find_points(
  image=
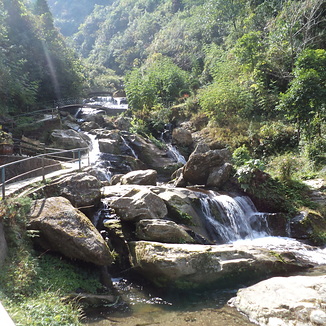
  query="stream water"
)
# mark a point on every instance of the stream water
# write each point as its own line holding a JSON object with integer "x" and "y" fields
{"x": 141, "y": 305}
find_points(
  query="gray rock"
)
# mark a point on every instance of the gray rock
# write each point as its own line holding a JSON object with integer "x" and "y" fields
{"x": 110, "y": 146}
{"x": 88, "y": 126}
{"x": 182, "y": 137}
{"x": 82, "y": 189}
{"x": 139, "y": 204}
{"x": 188, "y": 266}
{"x": 162, "y": 231}
{"x": 219, "y": 175}
{"x": 140, "y": 177}
{"x": 200, "y": 165}
{"x": 65, "y": 229}
{"x": 68, "y": 139}
{"x": 285, "y": 301}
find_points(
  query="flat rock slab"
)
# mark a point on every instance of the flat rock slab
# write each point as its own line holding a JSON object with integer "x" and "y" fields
{"x": 285, "y": 301}
{"x": 187, "y": 266}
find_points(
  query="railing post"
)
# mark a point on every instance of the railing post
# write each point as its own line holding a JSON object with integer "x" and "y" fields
{"x": 3, "y": 180}
{"x": 43, "y": 174}
{"x": 79, "y": 159}
{"x": 88, "y": 158}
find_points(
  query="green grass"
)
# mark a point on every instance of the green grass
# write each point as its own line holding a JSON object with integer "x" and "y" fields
{"x": 32, "y": 283}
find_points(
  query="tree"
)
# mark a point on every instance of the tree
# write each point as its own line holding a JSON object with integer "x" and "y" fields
{"x": 305, "y": 100}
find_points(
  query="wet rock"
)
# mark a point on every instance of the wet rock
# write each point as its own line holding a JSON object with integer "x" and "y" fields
{"x": 81, "y": 189}
{"x": 93, "y": 115}
{"x": 92, "y": 300}
{"x": 139, "y": 204}
{"x": 89, "y": 126}
{"x": 162, "y": 231}
{"x": 140, "y": 177}
{"x": 116, "y": 179}
{"x": 118, "y": 241}
{"x": 65, "y": 229}
{"x": 188, "y": 266}
{"x": 183, "y": 207}
{"x": 123, "y": 123}
{"x": 285, "y": 301}
{"x": 153, "y": 156}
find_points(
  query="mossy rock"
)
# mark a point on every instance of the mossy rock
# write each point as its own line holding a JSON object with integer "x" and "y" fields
{"x": 309, "y": 225}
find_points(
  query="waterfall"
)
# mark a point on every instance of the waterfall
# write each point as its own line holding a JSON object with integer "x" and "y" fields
{"x": 176, "y": 154}
{"x": 133, "y": 153}
{"x": 173, "y": 151}
{"x": 94, "y": 153}
{"x": 232, "y": 218}
{"x": 102, "y": 166}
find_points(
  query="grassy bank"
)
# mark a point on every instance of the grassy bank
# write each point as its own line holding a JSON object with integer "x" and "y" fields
{"x": 33, "y": 284}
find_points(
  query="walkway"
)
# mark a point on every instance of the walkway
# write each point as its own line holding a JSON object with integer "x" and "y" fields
{"x": 21, "y": 187}
{"x": 5, "y": 318}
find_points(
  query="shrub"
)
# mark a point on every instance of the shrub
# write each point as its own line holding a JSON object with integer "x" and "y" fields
{"x": 276, "y": 138}
{"x": 315, "y": 150}
{"x": 241, "y": 155}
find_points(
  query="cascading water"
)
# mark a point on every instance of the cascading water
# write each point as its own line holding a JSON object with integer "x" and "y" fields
{"x": 172, "y": 150}
{"x": 176, "y": 154}
{"x": 103, "y": 170}
{"x": 129, "y": 148}
{"x": 232, "y": 218}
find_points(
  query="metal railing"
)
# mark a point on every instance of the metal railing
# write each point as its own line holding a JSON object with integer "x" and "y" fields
{"x": 56, "y": 155}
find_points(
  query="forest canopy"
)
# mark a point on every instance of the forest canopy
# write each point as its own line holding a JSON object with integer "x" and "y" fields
{"x": 233, "y": 61}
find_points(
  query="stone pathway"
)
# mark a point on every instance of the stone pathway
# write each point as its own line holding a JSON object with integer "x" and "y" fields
{"x": 318, "y": 190}
{"x": 24, "y": 185}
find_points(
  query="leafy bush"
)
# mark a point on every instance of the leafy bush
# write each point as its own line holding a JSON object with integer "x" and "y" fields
{"x": 241, "y": 155}
{"x": 276, "y": 138}
{"x": 315, "y": 150}
{"x": 247, "y": 171}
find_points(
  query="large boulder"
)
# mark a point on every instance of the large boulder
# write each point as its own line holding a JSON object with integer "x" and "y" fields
{"x": 285, "y": 301}
{"x": 139, "y": 204}
{"x": 201, "y": 165}
{"x": 140, "y": 177}
{"x": 187, "y": 266}
{"x": 162, "y": 231}
{"x": 182, "y": 137}
{"x": 65, "y": 229}
{"x": 110, "y": 146}
{"x": 82, "y": 189}
{"x": 153, "y": 156}
{"x": 219, "y": 175}
{"x": 183, "y": 207}
{"x": 69, "y": 139}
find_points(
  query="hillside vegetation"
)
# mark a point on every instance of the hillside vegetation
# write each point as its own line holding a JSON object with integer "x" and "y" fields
{"x": 255, "y": 69}
{"x": 251, "y": 70}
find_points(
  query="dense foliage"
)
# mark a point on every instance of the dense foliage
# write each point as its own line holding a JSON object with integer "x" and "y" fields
{"x": 253, "y": 60}
{"x": 35, "y": 63}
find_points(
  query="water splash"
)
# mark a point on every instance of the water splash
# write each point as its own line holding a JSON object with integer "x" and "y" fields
{"x": 232, "y": 218}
